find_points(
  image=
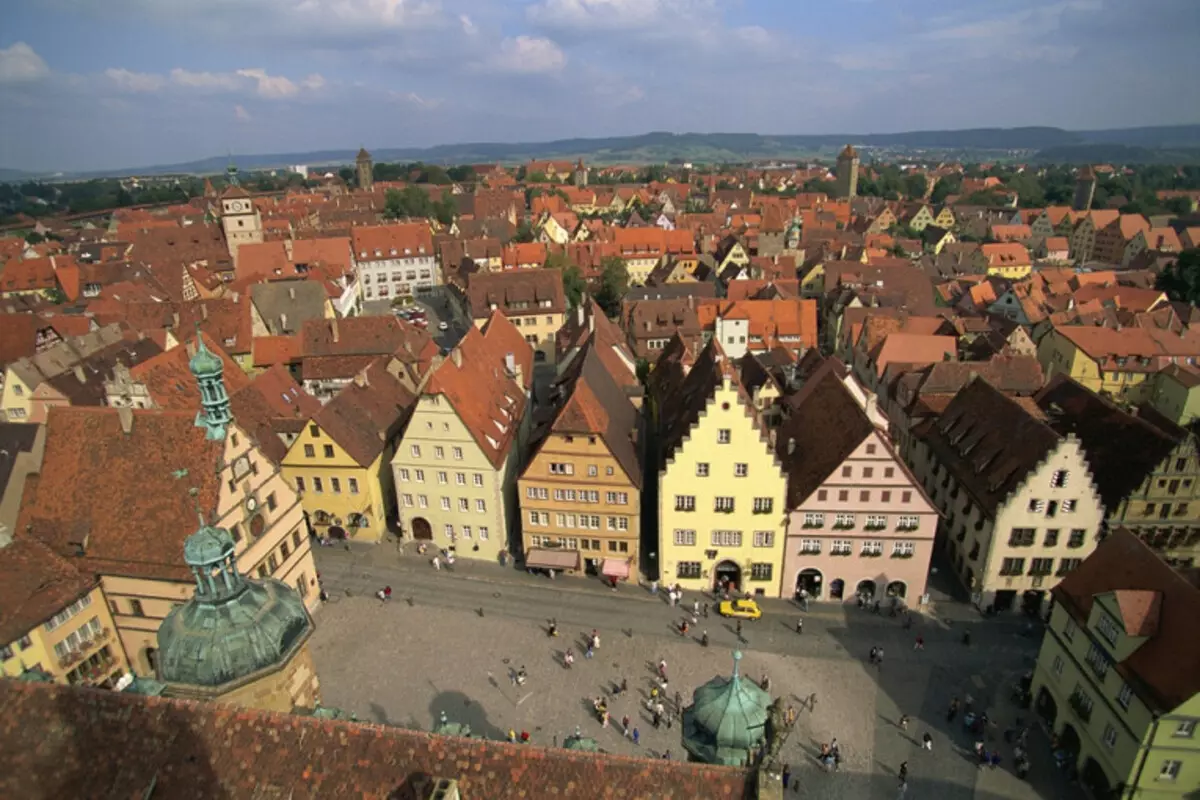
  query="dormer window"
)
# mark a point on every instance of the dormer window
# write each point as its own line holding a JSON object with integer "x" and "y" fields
{"x": 378, "y": 253}
{"x": 393, "y": 251}
{"x": 1107, "y": 628}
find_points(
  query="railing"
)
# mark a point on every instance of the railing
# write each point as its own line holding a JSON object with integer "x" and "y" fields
{"x": 1081, "y": 707}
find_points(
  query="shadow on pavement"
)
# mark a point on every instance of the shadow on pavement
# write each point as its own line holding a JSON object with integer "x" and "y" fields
{"x": 462, "y": 709}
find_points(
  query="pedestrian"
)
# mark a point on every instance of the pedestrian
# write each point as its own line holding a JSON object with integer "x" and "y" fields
{"x": 595, "y": 639}
{"x": 695, "y": 608}
{"x": 589, "y": 652}
{"x": 604, "y": 719}
{"x": 524, "y": 737}
{"x": 874, "y": 652}
{"x": 706, "y": 610}
{"x": 920, "y": 645}
{"x": 512, "y": 735}
{"x": 679, "y": 702}
{"x": 568, "y": 658}
{"x": 879, "y": 657}
{"x": 653, "y": 694}
{"x": 952, "y": 712}
{"x": 624, "y": 685}
{"x": 903, "y": 722}
{"x": 659, "y": 709}
{"x": 387, "y": 593}
{"x": 657, "y": 720}
{"x": 625, "y": 725}
{"x": 903, "y": 772}
{"x": 787, "y": 775}
{"x": 553, "y": 630}
{"x": 662, "y": 668}
{"x": 636, "y": 736}
{"x": 654, "y": 587}
{"x": 669, "y": 716}
{"x": 512, "y": 676}
{"x": 812, "y": 702}
{"x": 739, "y": 631}
{"x": 927, "y": 742}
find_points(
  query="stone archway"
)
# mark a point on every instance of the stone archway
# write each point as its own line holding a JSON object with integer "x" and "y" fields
{"x": 422, "y": 531}
{"x": 1046, "y": 707}
{"x": 1068, "y": 740}
{"x": 865, "y": 589}
{"x": 1092, "y": 776}
{"x": 837, "y": 589}
{"x": 810, "y": 580}
{"x": 897, "y": 589}
{"x": 727, "y": 574}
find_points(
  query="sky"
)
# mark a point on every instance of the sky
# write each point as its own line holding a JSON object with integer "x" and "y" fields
{"x": 106, "y": 84}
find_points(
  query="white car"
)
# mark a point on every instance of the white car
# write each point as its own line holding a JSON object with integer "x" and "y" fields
{"x": 443, "y": 326}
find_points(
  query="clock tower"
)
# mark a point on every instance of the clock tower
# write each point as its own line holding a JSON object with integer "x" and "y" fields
{"x": 239, "y": 219}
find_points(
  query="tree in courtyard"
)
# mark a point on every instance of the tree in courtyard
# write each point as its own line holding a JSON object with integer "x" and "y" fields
{"x": 1181, "y": 280}
{"x": 614, "y": 283}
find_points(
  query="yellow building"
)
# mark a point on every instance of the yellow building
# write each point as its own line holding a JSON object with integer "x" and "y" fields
{"x": 54, "y": 619}
{"x": 534, "y": 301}
{"x": 720, "y": 488}
{"x": 456, "y": 467}
{"x": 945, "y": 218}
{"x": 580, "y": 491}
{"x": 920, "y": 220}
{"x": 1118, "y": 676}
{"x": 1114, "y": 363}
{"x": 340, "y": 464}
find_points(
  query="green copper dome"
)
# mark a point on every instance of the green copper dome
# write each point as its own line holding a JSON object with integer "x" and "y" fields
{"x": 232, "y": 627}
{"x": 205, "y": 362}
{"x": 727, "y": 719}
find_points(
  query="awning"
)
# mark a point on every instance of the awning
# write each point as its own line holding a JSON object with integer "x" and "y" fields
{"x": 552, "y": 559}
{"x": 615, "y": 568}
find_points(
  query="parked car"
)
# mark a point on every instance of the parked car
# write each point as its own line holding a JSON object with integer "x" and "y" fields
{"x": 740, "y": 609}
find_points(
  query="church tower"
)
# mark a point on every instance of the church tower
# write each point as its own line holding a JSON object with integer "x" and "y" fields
{"x": 240, "y": 220}
{"x": 847, "y": 173}
{"x": 364, "y": 167}
{"x": 208, "y": 369}
{"x": 580, "y": 177}
{"x": 1085, "y": 189}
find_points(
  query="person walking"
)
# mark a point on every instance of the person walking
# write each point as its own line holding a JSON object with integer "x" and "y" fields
{"x": 952, "y": 711}
{"x": 589, "y": 652}
{"x": 903, "y": 774}
{"x": 437, "y": 563}
{"x": 879, "y": 657}
{"x": 927, "y": 742}
{"x": 903, "y": 723}
{"x": 787, "y": 776}
{"x": 799, "y": 626}
{"x": 920, "y": 643}
{"x": 705, "y": 610}
{"x": 637, "y": 737}
{"x": 654, "y": 588}
{"x": 871, "y": 657}
{"x": 662, "y": 668}
{"x": 812, "y": 702}
{"x": 625, "y": 725}
{"x": 553, "y": 630}
{"x": 657, "y": 720}
{"x": 695, "y": 608}
{"x": 678, "y": 703}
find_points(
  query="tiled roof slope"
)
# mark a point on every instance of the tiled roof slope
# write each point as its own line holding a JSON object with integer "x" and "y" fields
{"x": 516, "y": 293}
{"x": 1121, "y": 449}
{"x": 57, "y": 741}
{"x": 825, "y": 426}
{"x": 115, "y": 492}
{"x": 35, "y": 584}
{"x": 170, "y": 382}
{"x": 1166, "y": 667}
{"x": 366, "y": 413}
{"x": 1001, "y": 440}
{"x": 84, "y": 384}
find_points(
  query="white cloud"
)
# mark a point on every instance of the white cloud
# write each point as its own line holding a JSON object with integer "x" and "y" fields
{"x": 20, "y": 64}
{"x": 613, "y": 15}
{"x": 273, "y": 86}
{"x": 135, "y": 81}
{"x": 412, "y": 98}
{"x": 313, "y": 82}
{"x": 206, "y": 81}
{"x": 528, "y": 55}
{"x": 241, "y": 114}
{"x": 468, "y": 25}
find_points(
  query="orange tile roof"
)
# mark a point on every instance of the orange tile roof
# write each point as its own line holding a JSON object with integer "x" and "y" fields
{"x": 170, "y": 382}
{"x": 399, "y": 240}
{"x": 333, "y": 251}
{"x": 515, "y": 255}
{"x": 770, "y": 320}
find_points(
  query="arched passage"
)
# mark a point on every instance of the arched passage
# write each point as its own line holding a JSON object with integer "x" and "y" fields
{"x": 727, "y": 575}
{"x": 1093, "y": 777}
{"x": 810, "y": 580}
{"x": 897, "y": 589}
{"x": 865, "y": 589}
{"x": 422, "y": 530}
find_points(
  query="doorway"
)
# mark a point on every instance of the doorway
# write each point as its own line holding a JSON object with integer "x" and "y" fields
{"x": 727, "y": 576}
{"x": 811, "y": 581}
{"x": 422, "y": 531}
{"x": 837, "y": 589}
{"x": 897, "y": 589}
{"x": 865, "y": 590}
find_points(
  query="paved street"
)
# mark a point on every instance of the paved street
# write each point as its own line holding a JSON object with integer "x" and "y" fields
{"x": 437, "y": 309}
{"x": 448, "y": 641}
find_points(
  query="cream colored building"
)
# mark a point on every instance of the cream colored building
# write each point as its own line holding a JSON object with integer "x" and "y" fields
{"x": 533, "y": 301}
{"x": 1019, "y": 506}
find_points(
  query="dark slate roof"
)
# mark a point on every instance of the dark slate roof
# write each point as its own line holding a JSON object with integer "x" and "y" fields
{"x": 988, "y": 441}
{"x": 1122, "y": 449}
{"x": 824, "y": 428}
{"x": 58, "y": 741}
{"x": 15, "y": 438}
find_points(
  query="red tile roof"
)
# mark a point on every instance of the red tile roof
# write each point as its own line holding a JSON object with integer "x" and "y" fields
{"x": 35, "y": 584}
{"x": 385, "y": 242}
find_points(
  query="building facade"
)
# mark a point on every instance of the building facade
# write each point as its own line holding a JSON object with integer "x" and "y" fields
{"x": 847, "y": 173}
{"x": 395, "y": 262}
{"x": 534, "y": 302}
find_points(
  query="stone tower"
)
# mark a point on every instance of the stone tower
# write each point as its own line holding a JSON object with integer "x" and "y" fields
{"x": 847, "y": 173}
{"x": 727, "y": 720}
{"x": 239, "y": 219}
{"x": 209, "y": 372}
{"x": 1085, "y": 189}
{"x": 237, "y": 641}
{"x": 580, "y": 178}
{"x": 363, "y": 166}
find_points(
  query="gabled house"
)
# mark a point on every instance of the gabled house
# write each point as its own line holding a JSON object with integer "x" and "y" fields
{"x": 934, "y": 239}
{"x": 720, "y": 487}
{"x": 456, "y": 467}
{"x": 1006, "y": 260}
{"x": 1019, "y": 506}
{"x": 859, "y": 524}
{"x": 918, "y": 220}
{"x": 580, "y": 488}
{"x": 534, "y": 301}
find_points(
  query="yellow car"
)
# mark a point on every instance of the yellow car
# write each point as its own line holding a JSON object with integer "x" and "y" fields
{"x": 741, "y": 609}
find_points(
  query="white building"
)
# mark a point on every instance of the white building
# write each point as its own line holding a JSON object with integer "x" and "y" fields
{"x": 395, "y": 261}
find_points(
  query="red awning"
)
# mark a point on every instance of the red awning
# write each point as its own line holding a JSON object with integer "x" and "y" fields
{"x": 552, "y": 559}
{"x": 615, "y": 568}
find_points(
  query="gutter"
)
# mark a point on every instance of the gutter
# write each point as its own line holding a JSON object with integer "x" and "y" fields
{"x": 1129, "y": 791}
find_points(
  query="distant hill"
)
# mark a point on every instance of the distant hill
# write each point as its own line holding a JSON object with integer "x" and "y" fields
{"x": 1098, "y": 153}
{"x": 1150, "y": 144}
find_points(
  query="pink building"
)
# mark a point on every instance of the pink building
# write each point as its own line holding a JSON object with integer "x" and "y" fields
{"x": 858, "y": 521}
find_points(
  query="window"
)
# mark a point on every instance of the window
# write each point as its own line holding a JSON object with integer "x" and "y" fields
{"x": 726, "y": 538}
{"x": 702, "y": 470}
{"x": 1125, "y": 696}
{"x": 480, "y": 507}
{"x": 1081, "y": 701}
{"x": 885, "y": 497}
{"x": 422, "y": 501}
{"x": 847, "y": 472}
{"x": 439, "y": 452}
{"x": 889, "y": 472}
{"x": 419, "y": 475}
{"x": 536, "y": 493}
{"x": 449, "y": 531}
{"x": 618, "y": 523}
{"x": 299, "y": 484}
{"x": 460, "y": 478}
{"x": 318, "y": 486}
{"x": 685, "y": 502}
{"x": 1069, "y": 630}
{"x": 1170, "y": 770}
{"x": 442, "y": 478}
{"x": 445, "y": 504}
{"x": 810, "y": 546}
{"x": 872, "y": 548}
{"x": 353, "y": 483}
{"x": 464, "y": 504}
{"x": 483, "y": 533}
{"x": 822, "y": 495}
{"x": 466, "y": 531}
{"x": 1059, "y": 479}
{"x": 1097, "y": 659}
{"x": 843, "y": 521}
{"x": 1068, "y": 506}
{"x": 1185, "y": 729}
{"x": 1036, "y": 506}
{"x": 840, "y": 547}
{"x": 724, "y": 504}
{"x": 617, "y": 498}
{"x": 1077, "y": 537}
{"x": 1041, "y": 566}
{"x": 415, "y": 450}
{"x": 335, "y": 485}
{"x": 761, "y": 572}
{"x": 723, "y": 436}
{"x": 868, "y": 472}
{"x": 814, "y": 519}
{"x": 843, "y": 495}
{"x": 1051, "y": 539}
{"x": 562, "y": 469}
{"x": 741, "y": 470}
{"x": 1110, "y": 737}
{"x": 1022, "y": 537}
{"x": 1107, "y": 628}
{"x": 762, "y": 505}
{"x": 687, "y": 569}
{"x": 328, "y": 451}
{"x": 135, "y": 607}
{"x": 906, "y": 497}
{"x": 457, "y": 453}
{"x": 408, "y": 501}
{"x": 1068, "y": 564}
{"x": 903, "y": 549}
{"x": 764, "y": 538}
{"x": 908, "y": 523}
{"x": 1012, "y": 566}
{"x": 1058, "y": 665}
{"x": 876, "y": 522}
{"x": 478, "y": 476}
{"x": 404, "y": 475}
{"x": 685, "y": 538}
{"x": 309, "y": 451}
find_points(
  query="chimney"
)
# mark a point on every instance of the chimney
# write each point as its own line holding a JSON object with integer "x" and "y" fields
{"x": 283, "y": 323}
{"x": 292, "y": 292}
{"x": 510, "y": 363}
{"x": 125, "y": 416}
{"x": 456, "y": 357}
{"x": 204, "y": 310}
{"x": 333, "y": 326}
{"x": 791, "y": 445}
{"x": 361, "y": 380}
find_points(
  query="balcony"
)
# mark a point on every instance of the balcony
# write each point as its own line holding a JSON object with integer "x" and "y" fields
{"x": 1081, "y": 706}
{"x": 903, "y": 555}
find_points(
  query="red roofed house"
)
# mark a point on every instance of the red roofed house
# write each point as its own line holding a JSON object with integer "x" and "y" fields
{"x": 1007, "y": 260}
{"x": 758, "y": 326}
{"x": 395, "y": 261}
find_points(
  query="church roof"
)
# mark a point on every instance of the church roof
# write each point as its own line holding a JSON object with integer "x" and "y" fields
{"x": 363, "y": 155}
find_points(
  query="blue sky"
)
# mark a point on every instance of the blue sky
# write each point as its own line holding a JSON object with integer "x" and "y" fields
{"x": 113, "y": 83}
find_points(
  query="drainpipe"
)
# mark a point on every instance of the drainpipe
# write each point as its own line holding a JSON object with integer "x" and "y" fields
{"x": 1130, "y": 791}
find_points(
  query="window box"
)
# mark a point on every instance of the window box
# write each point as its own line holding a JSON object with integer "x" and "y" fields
{"x": 812, "y": 526}
{"x": 872, "y": 553}
{"x": 840, "y": 552}
{"x": 842, "y": 526}
{"x": 903, "y": 555}
{"x": 1081, "y": 706}
{"x": 874, "y": 527}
